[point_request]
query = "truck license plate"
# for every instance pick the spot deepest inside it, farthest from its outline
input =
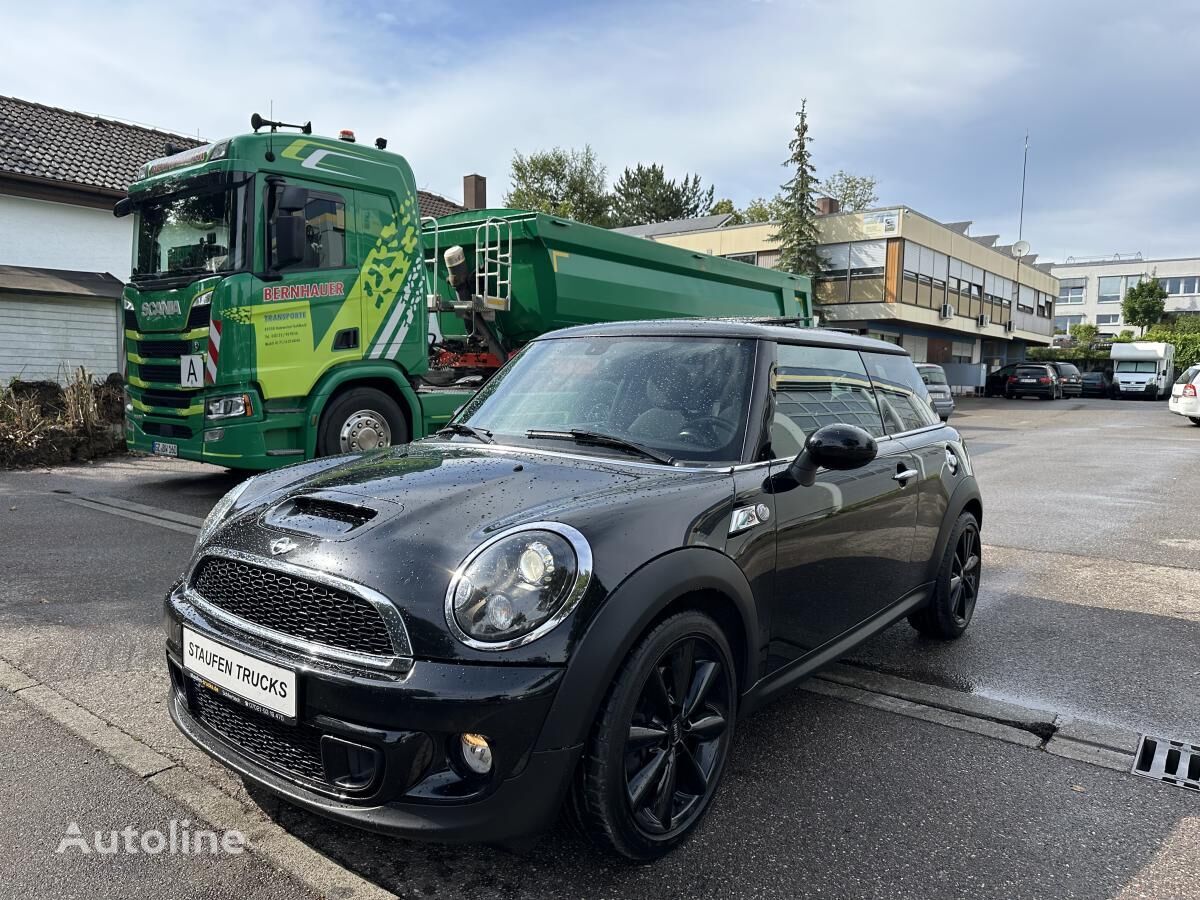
(162, 448)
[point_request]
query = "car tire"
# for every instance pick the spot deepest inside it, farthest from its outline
(1195, 420)
(654, 758)
(361, 419)
(956, 589)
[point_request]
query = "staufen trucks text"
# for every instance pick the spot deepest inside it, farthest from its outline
(288, 300)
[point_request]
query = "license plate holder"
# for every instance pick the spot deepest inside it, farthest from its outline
(163, 448)
(252, 682)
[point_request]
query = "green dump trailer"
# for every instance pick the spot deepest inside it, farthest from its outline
(287, 299)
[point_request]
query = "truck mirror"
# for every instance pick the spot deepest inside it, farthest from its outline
(122, 207)
(289, 240)
(292, 199)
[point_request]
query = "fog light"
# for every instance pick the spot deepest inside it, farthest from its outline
(476, 753)
(214, 434)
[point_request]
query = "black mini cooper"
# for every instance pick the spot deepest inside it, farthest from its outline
(633, 535)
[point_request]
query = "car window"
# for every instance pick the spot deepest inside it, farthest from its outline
(1032, 371)
(816, 386)
(903, 398)
(1188, 375)
(1067, 369)
(932, 375)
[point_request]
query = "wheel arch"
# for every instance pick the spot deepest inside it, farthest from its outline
(692, 578)
(965, 498)
(383, 376)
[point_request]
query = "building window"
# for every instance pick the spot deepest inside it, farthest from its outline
(835, 268)
(868, 261)
(1110, 289)
(1062, 324)
(1071, 290)
(1178, 287)
(1108, 319)
(751, 258)
(1026, 298)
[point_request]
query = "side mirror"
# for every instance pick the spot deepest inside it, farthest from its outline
(837, 447)
(290, 238)
(292, 199)
(122, 207)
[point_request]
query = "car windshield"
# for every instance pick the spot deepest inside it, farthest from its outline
(932, 376)
(685, 398)
(1093, 376)
(190, 233)
(1148, 366)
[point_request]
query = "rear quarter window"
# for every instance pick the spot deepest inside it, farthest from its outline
(1189, 375)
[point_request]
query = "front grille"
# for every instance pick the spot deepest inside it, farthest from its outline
(166, 374)
(198, 317)
(292, 748)
(172, 399)
(293, 606)
(164, 429)
(159, 349)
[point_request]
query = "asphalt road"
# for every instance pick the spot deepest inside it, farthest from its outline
(1089, 608)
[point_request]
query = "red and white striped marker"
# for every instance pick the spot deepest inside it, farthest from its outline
(214, 351)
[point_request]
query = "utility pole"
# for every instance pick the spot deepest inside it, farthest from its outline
(1024, 167)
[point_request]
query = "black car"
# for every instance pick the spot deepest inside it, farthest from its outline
(1034, 380)
(633, 535)
(1096, 384)
(996, 383)
(1070, 381)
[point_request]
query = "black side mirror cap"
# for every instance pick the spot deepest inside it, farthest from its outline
(122, 207)
(292, 199)
(290, 237)
(839, 447)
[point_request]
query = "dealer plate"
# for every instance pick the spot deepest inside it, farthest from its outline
(258, 683)
(162, 448)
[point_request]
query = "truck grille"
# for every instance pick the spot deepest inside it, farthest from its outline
(166, 374)
(295, 749)
(165, 429)
(160, 349)
(173, 399)
(293, 606)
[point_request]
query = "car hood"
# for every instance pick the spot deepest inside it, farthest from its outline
(428, 505)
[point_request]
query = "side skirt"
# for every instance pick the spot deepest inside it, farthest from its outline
(771, 686)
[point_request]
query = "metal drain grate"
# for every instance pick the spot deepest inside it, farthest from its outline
(1171, 761)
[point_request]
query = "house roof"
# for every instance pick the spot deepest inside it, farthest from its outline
(676, 226)
(60, 282)
(98, 155)
(76, 149)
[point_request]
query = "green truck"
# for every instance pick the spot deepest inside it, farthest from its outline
(288, 300)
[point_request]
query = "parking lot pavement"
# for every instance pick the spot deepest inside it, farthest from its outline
(51, 780)
(1086, 610)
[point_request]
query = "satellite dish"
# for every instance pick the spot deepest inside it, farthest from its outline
(1020, 248)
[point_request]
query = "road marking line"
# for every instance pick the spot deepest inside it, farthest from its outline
(128, 514)
(157, 512)
(175, 782)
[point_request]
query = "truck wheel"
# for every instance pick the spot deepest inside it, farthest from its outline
(361, 419)
(655, 756)
(957, 586)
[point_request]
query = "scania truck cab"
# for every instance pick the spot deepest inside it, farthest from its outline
(287, 300)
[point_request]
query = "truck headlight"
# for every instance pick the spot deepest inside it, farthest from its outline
(218, 513)
(229, 407)
(518, 585)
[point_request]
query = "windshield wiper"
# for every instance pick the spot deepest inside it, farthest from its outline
(580, 436)
(480, 434)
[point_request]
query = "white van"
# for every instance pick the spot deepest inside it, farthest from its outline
(1143, 369)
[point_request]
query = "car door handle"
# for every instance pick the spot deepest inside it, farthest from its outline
(904, 475)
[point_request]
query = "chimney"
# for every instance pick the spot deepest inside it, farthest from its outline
(474, 192)
(827, 206)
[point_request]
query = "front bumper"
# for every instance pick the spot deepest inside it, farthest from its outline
(409, 718)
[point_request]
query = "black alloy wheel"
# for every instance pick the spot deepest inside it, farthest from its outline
(655, 757)
(956, 590)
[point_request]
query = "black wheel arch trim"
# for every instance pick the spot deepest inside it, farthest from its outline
(626, 614)
(964, 494)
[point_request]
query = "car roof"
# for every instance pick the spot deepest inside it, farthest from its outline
(927, 365)
(728, 328)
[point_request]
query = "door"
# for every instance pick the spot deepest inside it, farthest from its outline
(844, 545)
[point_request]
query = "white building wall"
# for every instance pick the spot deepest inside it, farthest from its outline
(1149, 268)
(63, 236)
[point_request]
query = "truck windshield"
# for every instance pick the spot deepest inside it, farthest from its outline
(686, 398)
(1148, 367)
(191, 233)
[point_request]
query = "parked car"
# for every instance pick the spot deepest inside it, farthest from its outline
(996, 383)
(1070, 379)
(1096, 384)
(1185, 395)
(633, 535)
(934, 377)
(1034, 380)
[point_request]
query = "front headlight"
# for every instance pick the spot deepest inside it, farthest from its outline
(229, 407)
(218, 513)
(518, 585)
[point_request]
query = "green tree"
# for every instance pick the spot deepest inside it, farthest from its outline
(761, 209)
(725, 207)
(644, 194)
(853, 192)
(1144, 303)
(568, 183)
(796, 225)
(1084, 333)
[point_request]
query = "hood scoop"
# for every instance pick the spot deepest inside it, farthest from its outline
(329, 515)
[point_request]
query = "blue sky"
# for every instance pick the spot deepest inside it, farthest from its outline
(932, 98)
